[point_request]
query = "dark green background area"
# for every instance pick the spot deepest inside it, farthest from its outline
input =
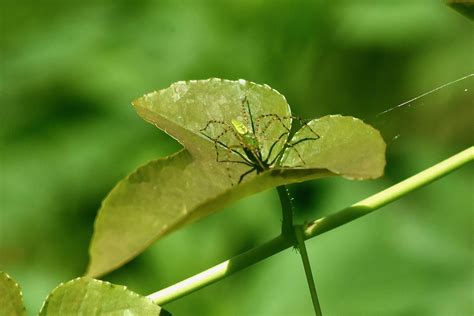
(68, 134)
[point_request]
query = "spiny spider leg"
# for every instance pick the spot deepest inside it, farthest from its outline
(280, 154)
(245, 162)
(246, 173)
(303, 140)
(243, 112)
(256, 151)
(273, 146)
(304, 124)
(271, 115)
(298, 153)
(278, 118)
(262, 128)
(216, 140)
(290, 145)
(246, 101)
(229, 147)
(214, 122)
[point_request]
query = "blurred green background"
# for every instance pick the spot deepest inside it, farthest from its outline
(68, 134)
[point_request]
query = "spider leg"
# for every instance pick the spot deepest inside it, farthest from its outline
(278, 156)
(237, 161)
(239, 147)
(246, 173)
(273, 146)
(217, 141)
(302, 140)
(245, 160)
(228, 160)
(262, 123)
(304, 124)
(231, 148)
(275, 117)
(298, 153)
(214, 122)
(243, 112)
(292, 145)
(246, 101)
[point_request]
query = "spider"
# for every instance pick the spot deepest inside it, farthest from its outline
(247, 137)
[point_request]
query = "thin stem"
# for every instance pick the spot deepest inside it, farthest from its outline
(389, 195)
(307, 269)
(220, 271)
(294, 234)
(287, 213)
(313, 229)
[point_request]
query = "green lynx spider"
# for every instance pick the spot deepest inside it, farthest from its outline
(249, 148)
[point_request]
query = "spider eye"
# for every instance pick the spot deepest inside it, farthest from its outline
(239, 127)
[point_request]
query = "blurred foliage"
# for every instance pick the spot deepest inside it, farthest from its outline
(68, 134)
(465, 7)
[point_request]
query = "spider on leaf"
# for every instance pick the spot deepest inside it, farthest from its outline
(247, 140)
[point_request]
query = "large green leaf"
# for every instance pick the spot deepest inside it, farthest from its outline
(167, 193)
(85, 296)
(11, 300)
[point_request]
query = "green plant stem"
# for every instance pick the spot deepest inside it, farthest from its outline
(313, 229)
(307, 269)
(287, 213)
(295, 235)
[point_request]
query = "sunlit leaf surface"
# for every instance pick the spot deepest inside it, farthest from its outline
(11, 301)
(346, 146)
(167, 193)
(85, 296)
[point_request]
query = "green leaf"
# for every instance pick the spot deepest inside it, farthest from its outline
(346, 146)
(168, 193)
(85, 296)
(185, 108)
(11, 300)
